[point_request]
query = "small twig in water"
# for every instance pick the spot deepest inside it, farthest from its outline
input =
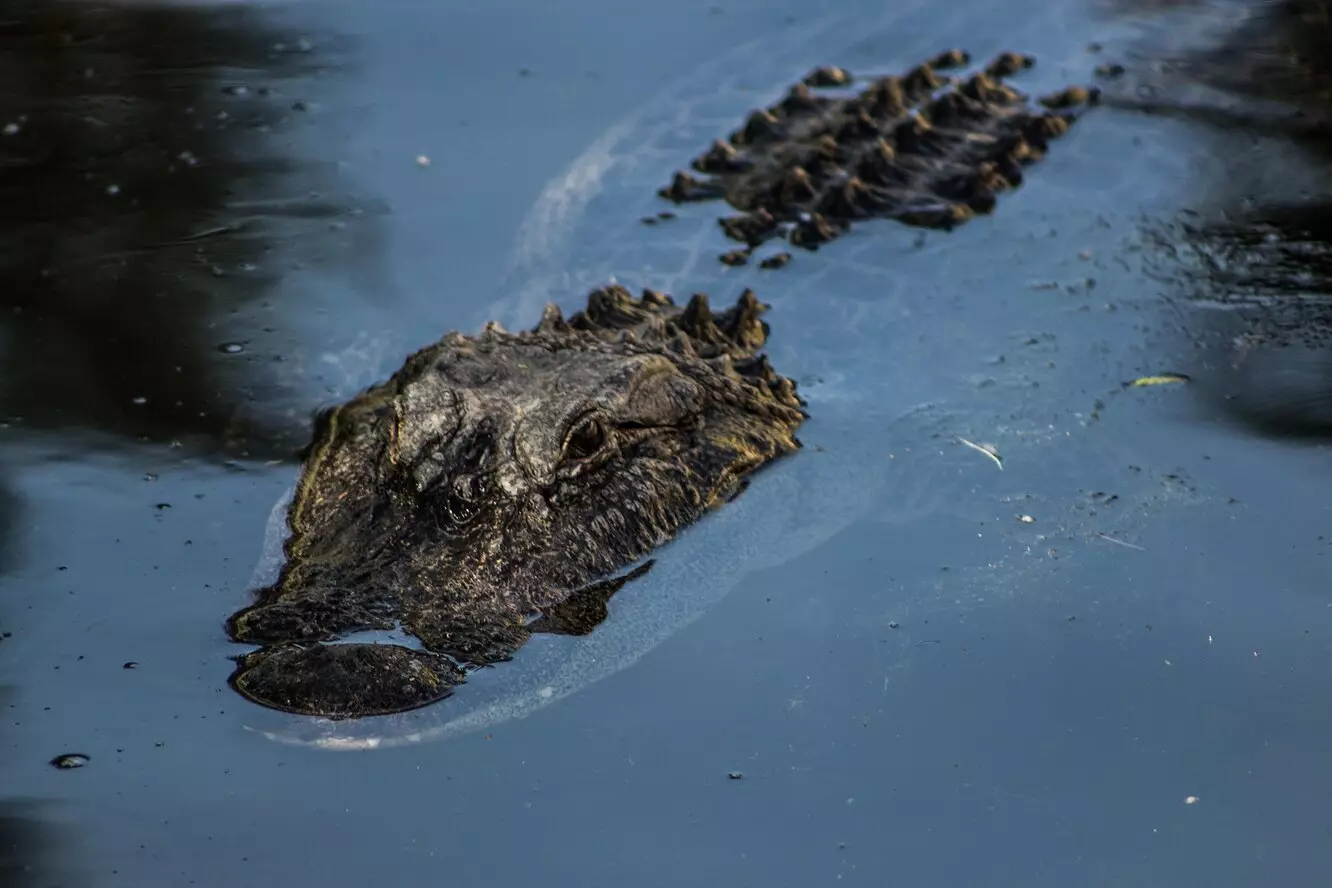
(987, 449)
(1110, 539)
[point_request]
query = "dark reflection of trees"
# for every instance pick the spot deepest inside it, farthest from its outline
(143, 210)
(9, 522)
(1268, 362)
(145, 216)
(1274, 65)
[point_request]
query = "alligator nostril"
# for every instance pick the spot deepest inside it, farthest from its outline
(316, 614)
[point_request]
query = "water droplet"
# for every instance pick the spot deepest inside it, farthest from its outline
(70, 760)
(231, 348)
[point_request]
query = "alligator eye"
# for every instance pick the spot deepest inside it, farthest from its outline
(460, 510)
(460, 500)
(586, 439)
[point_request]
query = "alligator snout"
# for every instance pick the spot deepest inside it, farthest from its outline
(312, 615)
(345, 680)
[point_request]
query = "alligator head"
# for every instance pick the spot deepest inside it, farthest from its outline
(493, 487)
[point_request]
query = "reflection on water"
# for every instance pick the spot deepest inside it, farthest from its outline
(144, 207)
(9, 523)
(1262, 267)
(1264, 277)
(1239, 64)
(149, 204)
(28, 843)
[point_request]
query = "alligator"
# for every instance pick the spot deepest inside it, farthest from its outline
(501, 485)
(925, 149)
(493, 487)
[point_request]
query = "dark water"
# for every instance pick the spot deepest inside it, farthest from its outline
(215, 220)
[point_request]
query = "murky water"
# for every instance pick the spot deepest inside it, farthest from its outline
(1103, 664)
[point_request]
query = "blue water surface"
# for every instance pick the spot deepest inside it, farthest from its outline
(1105, 663)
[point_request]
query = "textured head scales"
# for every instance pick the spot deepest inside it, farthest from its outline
(492, 487)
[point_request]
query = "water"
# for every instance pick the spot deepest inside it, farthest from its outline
(911, 678)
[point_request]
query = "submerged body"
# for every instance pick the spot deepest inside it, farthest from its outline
(490, 488)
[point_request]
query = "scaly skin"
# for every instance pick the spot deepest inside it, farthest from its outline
(924, 148)
(491, 486)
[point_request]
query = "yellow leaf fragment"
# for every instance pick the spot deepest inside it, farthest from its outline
(1160, 379)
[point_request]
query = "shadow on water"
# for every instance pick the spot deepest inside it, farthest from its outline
(1260, 270)
(29, 844)
(143, 208)
(149, 204)
(9, 524)
(25, 839)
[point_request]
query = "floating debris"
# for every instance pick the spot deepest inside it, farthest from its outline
(1118, 542)
(1190, 800)
(1026, 519)
(734, 775)
(422, 160)
(779, 260)
(988, 449)
(1160, 379)
(70, 760)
